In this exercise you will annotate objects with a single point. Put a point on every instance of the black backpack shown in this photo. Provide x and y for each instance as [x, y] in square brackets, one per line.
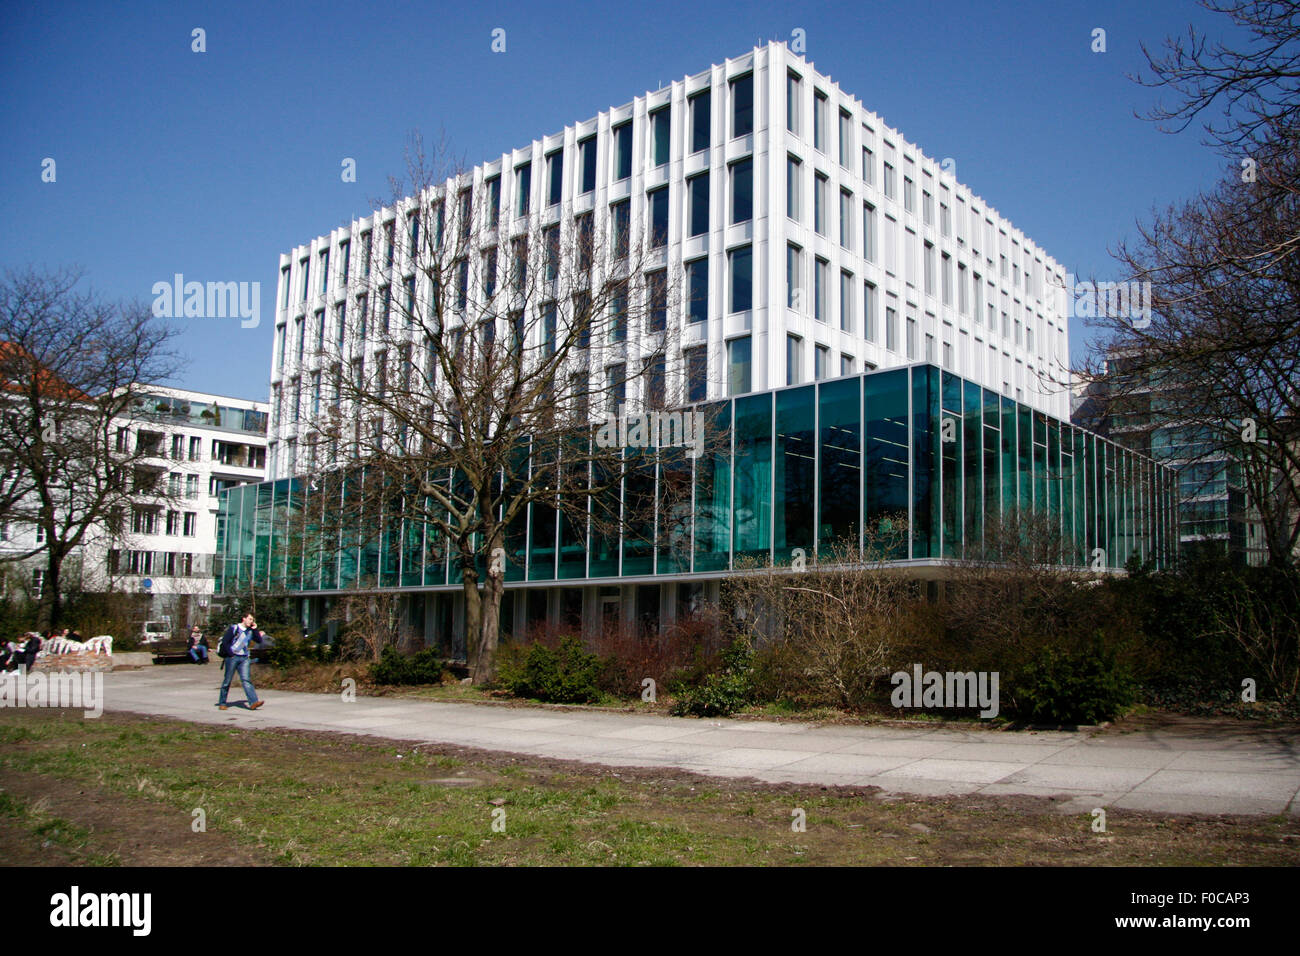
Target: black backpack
[223, 649]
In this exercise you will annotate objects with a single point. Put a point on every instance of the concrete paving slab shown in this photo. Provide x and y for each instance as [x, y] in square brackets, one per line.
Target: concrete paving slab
[1079, 777]
[962, 771]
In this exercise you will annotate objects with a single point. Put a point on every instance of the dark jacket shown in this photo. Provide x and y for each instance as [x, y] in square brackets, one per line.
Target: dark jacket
[228, 638]
[30, 651]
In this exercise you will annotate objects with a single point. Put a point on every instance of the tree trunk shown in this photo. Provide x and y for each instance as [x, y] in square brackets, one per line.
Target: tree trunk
[473, 612]
[51, 605]
[485, 669]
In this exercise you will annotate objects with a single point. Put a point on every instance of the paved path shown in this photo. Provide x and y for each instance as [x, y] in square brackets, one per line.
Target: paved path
[1166, 772]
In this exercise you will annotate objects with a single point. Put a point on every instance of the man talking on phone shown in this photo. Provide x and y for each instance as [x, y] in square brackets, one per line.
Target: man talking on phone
[233, 649]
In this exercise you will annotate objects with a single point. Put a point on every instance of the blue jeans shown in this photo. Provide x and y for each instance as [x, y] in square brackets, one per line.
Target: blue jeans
[237, 664]
[199, 654]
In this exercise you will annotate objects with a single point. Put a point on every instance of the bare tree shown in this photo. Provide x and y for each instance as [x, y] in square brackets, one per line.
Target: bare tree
[486, 342]
[71, 371]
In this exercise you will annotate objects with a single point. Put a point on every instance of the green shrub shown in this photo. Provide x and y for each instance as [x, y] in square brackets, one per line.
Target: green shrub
[282, 654]
[423, 667]
[567, 674]
[1085, 687]
[722, 693]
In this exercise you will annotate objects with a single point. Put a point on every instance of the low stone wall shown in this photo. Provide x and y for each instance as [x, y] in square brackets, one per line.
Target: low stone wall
[133, 659]
[75, 662]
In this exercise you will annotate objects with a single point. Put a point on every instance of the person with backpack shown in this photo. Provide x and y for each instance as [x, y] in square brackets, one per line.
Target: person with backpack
[233, 649]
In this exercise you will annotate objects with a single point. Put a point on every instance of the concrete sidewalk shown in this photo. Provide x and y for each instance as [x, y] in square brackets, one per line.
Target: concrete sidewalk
[1153, 771]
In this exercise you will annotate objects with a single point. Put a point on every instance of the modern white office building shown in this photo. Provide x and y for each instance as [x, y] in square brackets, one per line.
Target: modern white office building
[813, 241]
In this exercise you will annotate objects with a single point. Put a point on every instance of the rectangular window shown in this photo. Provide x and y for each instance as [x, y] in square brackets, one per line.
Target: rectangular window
[304, 269]
[945, 278]
[700, 121]
[794, 277]
[890, 183]
[622, 151]
[793, 89]
[945, 220]
[390, 242]
[284, 284]
[583, 227]
[846, 219]
[792, 183]
[697, 282]
[697, 373]
[927, 207]
[869, 311]
[658, 200]
[742, 105]
[819, 120]
[909, 194]
[846, 301]
[463, 213]
[868, 232]
[821, 363]
[846, 365]
[697, 188]
[846, 139]
[891, 329]
[324, 271]
[412, 233]
[868, 166]
[821, 278]
[739, 366]
[620, 224]
[196, 449]
[661, 135]
[551, 249]
[742, 279]
[793, 359]
[523, 188]
[190, 527]
[657, 300]
[554, 178]
[911, 338]
[819, 203]
[742, 191]
[587, 161]
[365, 253]
[929, 268]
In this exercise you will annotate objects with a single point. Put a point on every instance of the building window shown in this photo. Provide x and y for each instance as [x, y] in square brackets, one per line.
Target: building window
[868, 166]
[846, 365]
[909, 194]
[742, 191]
[911, 338]
[657, 300]
[584, 230]
[869, 311]
[587, 163]
[846, 139]
[890, 182]
[742, 105]
[946, 278]
[303, 269]
[793, 87]
[794, 278]
[697, 188]
[739, 367]
[929, 268]
[551, 250]
[554, 178]
[658, 217]
[390, 243]
[697, 373]
[819, 120]
[196, 449]
[700, 121]
[492, 188]
[742, 279]
[365, 253]
[697, 283]
[623, 151]
[191, 524]
[793, 359]
[661, 135]
[324, 271]
[178, 447]
[846, 301]
[819, 203]
[792, 169]
[821, 272]
[620, 221]
[927, 207]
[523, 188]
[821, 363]
[846, 219]
[284, 285]
[38, 583]
[616, 385]
[891, 329]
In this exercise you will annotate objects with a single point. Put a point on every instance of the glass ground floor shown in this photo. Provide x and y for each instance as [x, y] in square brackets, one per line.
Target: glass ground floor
[786, 475]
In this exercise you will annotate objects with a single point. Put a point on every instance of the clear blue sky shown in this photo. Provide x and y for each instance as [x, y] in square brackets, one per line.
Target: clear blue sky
[213, 164]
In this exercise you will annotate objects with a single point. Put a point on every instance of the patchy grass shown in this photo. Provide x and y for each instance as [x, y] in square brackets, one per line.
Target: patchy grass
[293, 797]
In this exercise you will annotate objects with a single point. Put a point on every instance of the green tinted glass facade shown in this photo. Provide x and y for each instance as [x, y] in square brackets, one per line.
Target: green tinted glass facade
[803, 467]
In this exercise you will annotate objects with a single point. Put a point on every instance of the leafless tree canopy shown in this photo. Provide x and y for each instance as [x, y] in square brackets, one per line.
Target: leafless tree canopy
[71, 366]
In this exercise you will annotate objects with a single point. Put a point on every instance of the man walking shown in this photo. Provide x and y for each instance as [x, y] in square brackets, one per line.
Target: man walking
[234, 649]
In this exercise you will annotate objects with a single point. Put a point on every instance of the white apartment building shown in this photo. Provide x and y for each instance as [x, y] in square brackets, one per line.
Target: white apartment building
[197, 445]
[813, 241]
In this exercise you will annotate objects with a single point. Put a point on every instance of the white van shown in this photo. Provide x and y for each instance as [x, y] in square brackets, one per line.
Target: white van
[155, 632]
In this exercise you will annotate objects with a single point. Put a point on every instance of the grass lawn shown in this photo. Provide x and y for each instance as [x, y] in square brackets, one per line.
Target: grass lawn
[123, 789]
